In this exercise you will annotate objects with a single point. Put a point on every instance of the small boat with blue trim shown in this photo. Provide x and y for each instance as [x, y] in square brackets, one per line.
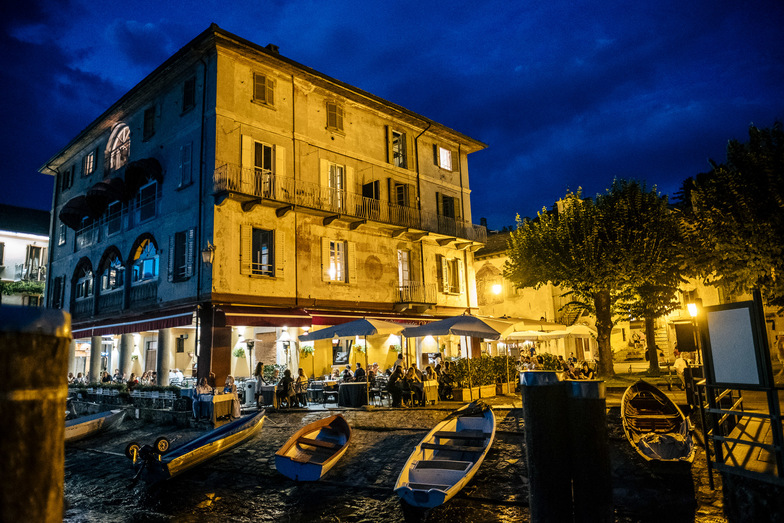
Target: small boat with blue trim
[78, 428]
[314, 449]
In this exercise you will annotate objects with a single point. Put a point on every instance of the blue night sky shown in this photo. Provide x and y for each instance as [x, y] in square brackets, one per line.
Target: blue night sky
[566, 94]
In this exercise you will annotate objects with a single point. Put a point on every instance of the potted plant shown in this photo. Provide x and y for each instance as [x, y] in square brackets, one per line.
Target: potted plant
[484, 376]
[505, 374]
[465, 387]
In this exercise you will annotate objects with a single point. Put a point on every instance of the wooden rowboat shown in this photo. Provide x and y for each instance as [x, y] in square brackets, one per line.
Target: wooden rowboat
[314, 449]
[655, 426]
[448, 457]
[78, 428]
[157, 463]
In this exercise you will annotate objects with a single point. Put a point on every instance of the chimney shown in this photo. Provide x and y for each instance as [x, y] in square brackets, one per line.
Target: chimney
[272, 48]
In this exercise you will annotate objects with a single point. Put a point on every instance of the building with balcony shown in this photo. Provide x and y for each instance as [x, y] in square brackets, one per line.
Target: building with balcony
[24, 239]
[235, 198]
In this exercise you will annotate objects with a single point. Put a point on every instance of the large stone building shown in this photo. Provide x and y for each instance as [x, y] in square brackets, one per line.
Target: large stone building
[234, 198]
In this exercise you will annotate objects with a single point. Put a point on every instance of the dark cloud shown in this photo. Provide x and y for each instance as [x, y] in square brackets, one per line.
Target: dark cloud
[143, 44]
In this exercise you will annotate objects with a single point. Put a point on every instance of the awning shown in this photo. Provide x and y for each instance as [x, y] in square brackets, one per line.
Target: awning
[247, 316]
[140, 172]
[74, 210]
[464, 325]
[103, 193]
[321, 317]
[148, 323]
[361, 327]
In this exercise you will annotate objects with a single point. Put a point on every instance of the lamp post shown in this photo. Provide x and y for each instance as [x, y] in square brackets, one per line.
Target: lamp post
[693, 312]
[208, 253]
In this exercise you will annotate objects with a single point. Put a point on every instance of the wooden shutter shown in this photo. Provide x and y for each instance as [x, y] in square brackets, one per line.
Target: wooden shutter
[280, 161]
[458, 209]
[325, 259]
[444, 273]
[391, 190]
[461, 275]
[388, 134]
[351, 259]
[410, 160]
[190, 252]
[280, 253]
[439, 205]
[186, 152]
[348, 187]
[324, 174]
[170, 269]
[436, 159]
[455, 161]
[246, 249]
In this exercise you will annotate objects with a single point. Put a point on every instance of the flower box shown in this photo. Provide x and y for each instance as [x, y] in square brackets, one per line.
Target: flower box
[466, 394]
[505, 388]
[487, 391]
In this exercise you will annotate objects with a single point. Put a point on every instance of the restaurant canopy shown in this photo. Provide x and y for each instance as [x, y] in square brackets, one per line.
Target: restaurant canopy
[465, 325]
[361, 327]
[74, 210]
[100, 195]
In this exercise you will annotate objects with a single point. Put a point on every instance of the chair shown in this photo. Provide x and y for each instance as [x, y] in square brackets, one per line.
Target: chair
[316, 392]
[330, 394]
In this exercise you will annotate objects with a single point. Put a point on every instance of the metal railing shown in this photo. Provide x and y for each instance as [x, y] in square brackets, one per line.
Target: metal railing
[30, 272]
[144, 292]
[417, 292]
[260, 183]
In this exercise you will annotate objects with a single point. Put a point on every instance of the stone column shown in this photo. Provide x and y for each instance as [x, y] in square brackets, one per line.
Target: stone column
[72, 357]
[96, 343]
[126, 349]
[165, 355]
[32, 402]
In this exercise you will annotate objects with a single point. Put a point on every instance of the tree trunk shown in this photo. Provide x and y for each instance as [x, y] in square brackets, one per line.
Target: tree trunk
[653, 353]
[604, 326]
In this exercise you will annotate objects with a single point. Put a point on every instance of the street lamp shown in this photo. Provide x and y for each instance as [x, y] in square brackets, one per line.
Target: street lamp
[693, 312]
[208, 253]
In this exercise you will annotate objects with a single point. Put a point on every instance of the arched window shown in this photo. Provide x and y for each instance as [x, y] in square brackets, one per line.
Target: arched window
[84, 283]
[119, 147]
[113, 274]
[145, 262]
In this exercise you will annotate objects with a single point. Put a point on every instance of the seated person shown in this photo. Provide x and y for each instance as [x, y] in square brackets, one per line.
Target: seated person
[587, 373]
[231, 388]
[347, 375]
[359, 374]
[395, 386]
[570, 373]
[301, 388]
[202, 389]
[285, 390]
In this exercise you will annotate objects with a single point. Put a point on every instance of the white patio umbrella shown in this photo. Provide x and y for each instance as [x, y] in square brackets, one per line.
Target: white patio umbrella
[362, 327]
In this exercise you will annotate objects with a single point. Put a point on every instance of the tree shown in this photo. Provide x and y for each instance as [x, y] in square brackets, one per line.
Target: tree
[734, 217]
[606, 251]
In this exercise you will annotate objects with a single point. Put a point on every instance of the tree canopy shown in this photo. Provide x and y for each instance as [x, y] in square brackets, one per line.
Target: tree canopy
[734, 217]
[607, 251]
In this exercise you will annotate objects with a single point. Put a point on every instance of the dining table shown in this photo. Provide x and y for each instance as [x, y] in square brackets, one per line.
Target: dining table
[268, 396]
[352, 394]
[430, 392]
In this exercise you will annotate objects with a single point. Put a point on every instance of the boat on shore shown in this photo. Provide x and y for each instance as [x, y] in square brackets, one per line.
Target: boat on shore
[447, 457]
[78, 428]
[157, 463]
[314, 449]
[655, 426]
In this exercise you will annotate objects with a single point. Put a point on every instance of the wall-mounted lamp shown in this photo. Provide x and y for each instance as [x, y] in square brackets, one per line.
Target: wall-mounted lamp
[693, 311]
[208, 253]
[497, 288]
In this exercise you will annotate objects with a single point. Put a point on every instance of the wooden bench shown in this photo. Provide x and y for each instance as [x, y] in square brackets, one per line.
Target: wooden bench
[463, 434]
[317, 443]
[427, 486]
[442, 464]
[451, 448]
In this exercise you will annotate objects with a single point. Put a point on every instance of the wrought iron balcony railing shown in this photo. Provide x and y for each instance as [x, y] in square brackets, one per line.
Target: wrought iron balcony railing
[417, 292]
[30, 272]
[263, 184]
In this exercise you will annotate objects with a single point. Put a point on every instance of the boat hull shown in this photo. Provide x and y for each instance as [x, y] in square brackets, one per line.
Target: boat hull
[314, 449]
[655, 426]
[86, 426]
[203, 448]
[447, 457]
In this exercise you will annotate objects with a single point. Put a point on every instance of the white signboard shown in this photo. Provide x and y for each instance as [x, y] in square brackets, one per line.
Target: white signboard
[732, 346]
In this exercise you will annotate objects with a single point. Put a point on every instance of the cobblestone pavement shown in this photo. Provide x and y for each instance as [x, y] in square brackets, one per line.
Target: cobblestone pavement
[243, 485]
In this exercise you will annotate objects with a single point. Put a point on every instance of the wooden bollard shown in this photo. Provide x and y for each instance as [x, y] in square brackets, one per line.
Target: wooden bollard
[33, 387]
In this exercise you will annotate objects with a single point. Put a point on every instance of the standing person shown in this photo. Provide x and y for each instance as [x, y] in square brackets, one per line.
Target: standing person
[680, 366]
[301, 388]
[259, 375]
[359, 374]
[398, 362]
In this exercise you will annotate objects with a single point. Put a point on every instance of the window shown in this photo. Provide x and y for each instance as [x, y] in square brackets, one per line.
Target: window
[399, 158]
[263, 89]
[337, 261]
[264, 162]
[442, 157]
[113, 218]
[58, 288]
[262, 251]
[61, 232]
[113, 276]
[35, 266]
[88, 164]
[68, 177]
[186, 164]
[403, 268]
[334, 116]
[84, 284]
[149, 123]
[119, 147]
[2, 254]
[189, 94]
[31, 301]
[337, 185]
[148, 196]
[452, 279]
[145, 262]
[181, 255]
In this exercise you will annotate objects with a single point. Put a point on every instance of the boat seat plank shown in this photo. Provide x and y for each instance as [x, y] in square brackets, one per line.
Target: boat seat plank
[317, 443]
[428, 486]
[463, 434]
[443, 464]
[451, 448]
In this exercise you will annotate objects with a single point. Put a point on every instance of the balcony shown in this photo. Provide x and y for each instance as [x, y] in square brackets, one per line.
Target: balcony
[30, 272]
[258, 186]
[111, 301]
[416, 296]
[82, 308]
[144, 293]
